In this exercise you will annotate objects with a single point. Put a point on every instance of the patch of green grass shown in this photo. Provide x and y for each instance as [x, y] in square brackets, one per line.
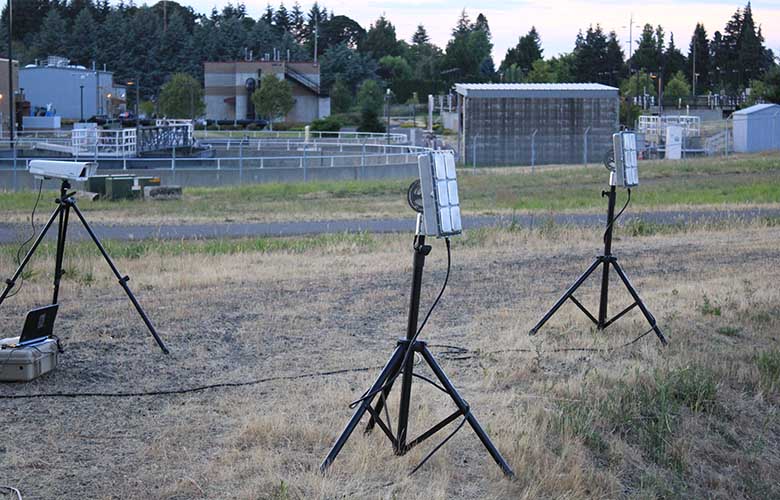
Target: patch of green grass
[142, 248]
[691, 182]
[707, 308]
[729, 331]
[645, 413]
[768, 364]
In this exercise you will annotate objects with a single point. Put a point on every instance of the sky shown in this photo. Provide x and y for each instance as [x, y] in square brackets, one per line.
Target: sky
[557, 21]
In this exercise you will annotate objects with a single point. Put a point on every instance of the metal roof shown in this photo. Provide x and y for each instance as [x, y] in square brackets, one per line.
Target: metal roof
[535, 89]
[757, 108]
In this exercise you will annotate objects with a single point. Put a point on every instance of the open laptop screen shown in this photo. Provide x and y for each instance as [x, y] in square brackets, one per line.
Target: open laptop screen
[39, 325]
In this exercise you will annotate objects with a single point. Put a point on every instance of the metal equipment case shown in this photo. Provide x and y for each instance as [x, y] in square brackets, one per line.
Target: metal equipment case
[23, 364]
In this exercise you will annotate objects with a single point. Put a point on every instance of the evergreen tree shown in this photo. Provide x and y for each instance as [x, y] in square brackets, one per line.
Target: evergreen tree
[615, 61]
[467, 55]
[523, 55]
[262, 40]
[82, 40]
[593, 60]
[381, 40]
[699, 58]
[298, 23]
[268, 16]
[674, 61]
[49, 39]
[719, 54]
[340, 97]
[420, 36]
[352, 67]
[647, 55]
[282, 19]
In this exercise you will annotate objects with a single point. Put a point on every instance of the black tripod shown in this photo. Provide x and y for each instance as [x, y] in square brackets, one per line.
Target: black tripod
[66, 203]
[606, 260]
[403, 359]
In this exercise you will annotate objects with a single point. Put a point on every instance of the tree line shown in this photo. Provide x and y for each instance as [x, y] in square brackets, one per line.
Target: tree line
[152, 43]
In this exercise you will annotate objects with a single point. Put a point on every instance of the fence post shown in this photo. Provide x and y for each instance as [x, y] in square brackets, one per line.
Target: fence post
[304, 164]
[363, 159]
[474, 153]
[241, 162]
[13, 147]
[533, 150]
[585, 147]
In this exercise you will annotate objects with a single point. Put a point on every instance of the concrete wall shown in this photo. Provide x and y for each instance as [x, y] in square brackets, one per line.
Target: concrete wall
[22, 180]
[497, 131]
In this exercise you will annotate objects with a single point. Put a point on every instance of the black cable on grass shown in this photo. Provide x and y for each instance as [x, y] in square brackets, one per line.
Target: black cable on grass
[186, 390]
[28, 240]
[388, 383]
[612, 222]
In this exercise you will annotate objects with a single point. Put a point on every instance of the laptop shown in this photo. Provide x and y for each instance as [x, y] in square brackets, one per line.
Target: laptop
[39, 325]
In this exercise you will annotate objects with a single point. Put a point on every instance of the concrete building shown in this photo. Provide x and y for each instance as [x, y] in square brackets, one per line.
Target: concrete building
[228, 86]
[56, 84]
[5, 102]
[757, 128]
[529, 123]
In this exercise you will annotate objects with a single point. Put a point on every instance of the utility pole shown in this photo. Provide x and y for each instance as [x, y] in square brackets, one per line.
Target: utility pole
[11, 96]
[693, 73]
[316, 34]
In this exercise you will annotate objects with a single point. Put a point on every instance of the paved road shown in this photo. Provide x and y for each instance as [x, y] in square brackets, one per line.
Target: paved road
[10, 233]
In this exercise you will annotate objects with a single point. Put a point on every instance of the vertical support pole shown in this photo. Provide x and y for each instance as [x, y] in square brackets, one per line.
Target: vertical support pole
[585, 147]
[420, 251]
[474, 153]
[305, 167]
[241, 162]
[533, 150]
[607, 257]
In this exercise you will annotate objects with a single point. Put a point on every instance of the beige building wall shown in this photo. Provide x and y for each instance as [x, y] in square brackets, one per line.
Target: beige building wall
[227, 98]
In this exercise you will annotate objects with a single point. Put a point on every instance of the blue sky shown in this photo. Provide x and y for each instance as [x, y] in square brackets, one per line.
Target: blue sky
[556, 20]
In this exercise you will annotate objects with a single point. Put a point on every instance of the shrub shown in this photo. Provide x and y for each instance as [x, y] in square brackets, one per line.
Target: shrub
[328, 124]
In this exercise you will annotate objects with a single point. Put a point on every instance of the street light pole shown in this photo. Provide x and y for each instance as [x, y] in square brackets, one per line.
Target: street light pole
[11, 100]
[81, 88]
[387, 114]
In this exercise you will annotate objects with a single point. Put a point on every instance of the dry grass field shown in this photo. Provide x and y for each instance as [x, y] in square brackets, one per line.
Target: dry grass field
[698, 419]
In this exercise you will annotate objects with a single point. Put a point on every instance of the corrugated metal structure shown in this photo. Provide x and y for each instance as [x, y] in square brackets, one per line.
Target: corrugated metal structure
[757, 128]
[70, 90]
[533, 124]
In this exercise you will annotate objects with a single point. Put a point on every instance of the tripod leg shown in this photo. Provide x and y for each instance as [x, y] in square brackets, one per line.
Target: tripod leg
[9, 283]
[648, 316]
[122, 280]
[391, 365]
[380, 404]
[464, 407]
[61, 237]
[566, 296]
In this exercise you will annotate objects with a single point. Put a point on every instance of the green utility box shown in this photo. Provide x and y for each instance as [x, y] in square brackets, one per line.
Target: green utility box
[142, 182]
[97, 184]
[119, 188]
